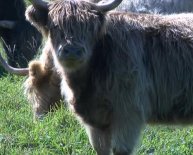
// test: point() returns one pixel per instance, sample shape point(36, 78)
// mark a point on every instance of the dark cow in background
point(19, 38)
point(119, 71)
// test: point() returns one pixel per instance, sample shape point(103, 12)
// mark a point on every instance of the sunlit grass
point(60, 133)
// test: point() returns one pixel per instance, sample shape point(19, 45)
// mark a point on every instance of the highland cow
point(42, 86)
point(19, 38)
point(119, 71)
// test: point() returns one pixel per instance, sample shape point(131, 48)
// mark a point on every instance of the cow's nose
point(70, 52)
point(73, 52)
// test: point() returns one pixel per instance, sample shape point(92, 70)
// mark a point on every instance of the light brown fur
point(43, 85)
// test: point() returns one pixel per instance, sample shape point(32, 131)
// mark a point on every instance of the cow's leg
point(125, 133)
point(100, 140)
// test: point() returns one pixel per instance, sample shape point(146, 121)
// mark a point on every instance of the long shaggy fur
point(137, 69)
point(42, 87)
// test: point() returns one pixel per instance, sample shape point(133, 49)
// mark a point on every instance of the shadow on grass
point(2, 71)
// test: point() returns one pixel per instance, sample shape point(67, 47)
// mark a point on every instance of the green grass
point(59, 132)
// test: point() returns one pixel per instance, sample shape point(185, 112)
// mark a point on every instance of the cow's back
point(158, 52)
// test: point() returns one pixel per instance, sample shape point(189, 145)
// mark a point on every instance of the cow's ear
point(38, 17)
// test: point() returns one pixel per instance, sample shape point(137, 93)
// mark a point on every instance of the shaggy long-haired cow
point(118, 71)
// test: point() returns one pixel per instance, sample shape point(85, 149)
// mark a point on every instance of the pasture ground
point(60, 134)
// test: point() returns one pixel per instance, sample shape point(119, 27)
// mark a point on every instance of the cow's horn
point(17, 71)
point(105, 6)
point(7, 24)
point(40, 4)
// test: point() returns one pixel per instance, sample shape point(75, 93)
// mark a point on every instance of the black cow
point(19, 38)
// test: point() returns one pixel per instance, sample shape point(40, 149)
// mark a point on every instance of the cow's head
point(72, 27)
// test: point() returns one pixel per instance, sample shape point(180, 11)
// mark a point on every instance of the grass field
point(59, 133)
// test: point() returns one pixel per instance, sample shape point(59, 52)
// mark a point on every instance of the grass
point(59, 132)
